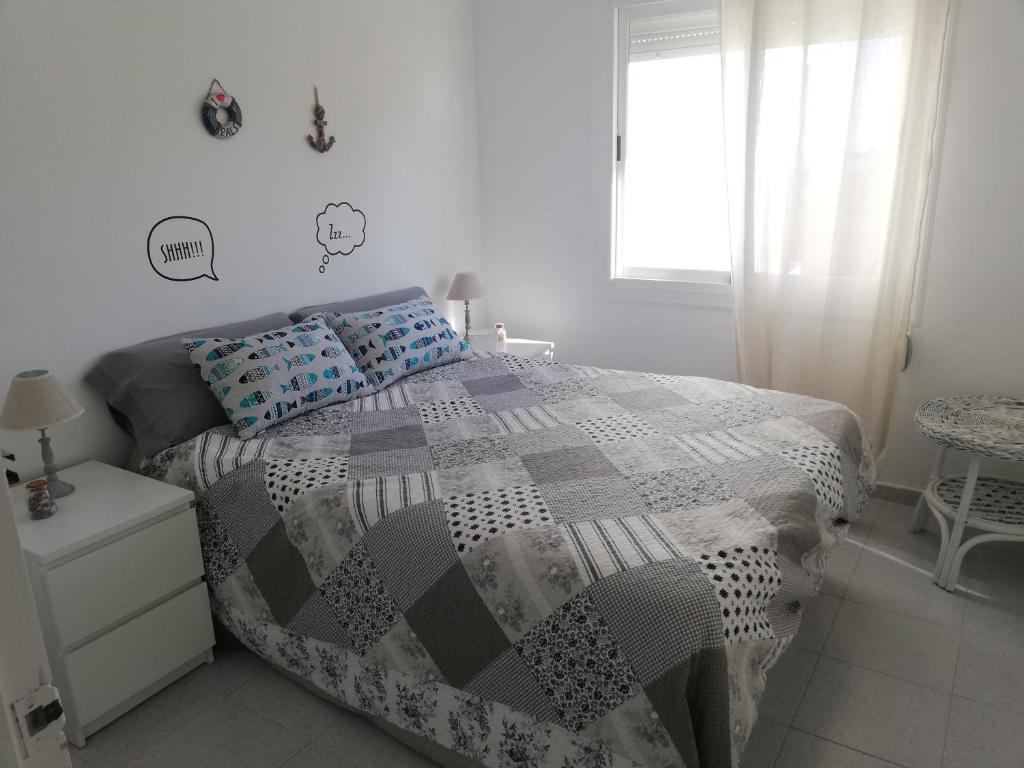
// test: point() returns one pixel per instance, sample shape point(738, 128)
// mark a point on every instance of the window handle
point(618, 147)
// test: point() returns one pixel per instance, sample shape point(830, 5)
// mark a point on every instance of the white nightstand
point(117, 576)
point(486, 341)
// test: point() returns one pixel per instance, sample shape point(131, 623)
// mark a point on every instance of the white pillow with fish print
point(265, 379)
point(390, 343)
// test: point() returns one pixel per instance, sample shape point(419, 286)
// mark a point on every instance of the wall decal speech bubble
point(180, 248)
point(340, 229)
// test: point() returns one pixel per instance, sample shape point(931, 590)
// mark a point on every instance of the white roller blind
point(672, 35)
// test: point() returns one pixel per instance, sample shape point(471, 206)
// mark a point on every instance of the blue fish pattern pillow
point(392, 342)
point(263, 380)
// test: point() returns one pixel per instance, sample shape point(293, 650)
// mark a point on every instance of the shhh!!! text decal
point(180, 248)
point(179, 251)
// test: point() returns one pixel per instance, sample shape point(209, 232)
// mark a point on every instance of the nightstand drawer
point(96, 590)
point(122, 663)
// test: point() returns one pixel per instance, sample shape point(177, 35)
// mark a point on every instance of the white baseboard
point(898, 494)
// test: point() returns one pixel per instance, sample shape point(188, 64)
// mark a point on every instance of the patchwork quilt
point(530, 563)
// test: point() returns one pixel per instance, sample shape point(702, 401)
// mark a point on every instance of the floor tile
point(891, 535)
point(287, 703)
point(997, 560)
point(990, 669)
point(318, 757)
point(787, 681)
point(816, 622)
point(225, 736)
point(992, 585)
point(842, 561)
point(148, 724)
point(902, 646)
point(893, 719)
point(896, 585)
point(802, 750)
point(980, 735)
point(232, 668)
point(764, 744)
point(365, 745)
point(993, 618)
point(861, 529)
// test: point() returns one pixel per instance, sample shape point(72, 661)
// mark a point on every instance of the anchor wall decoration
point(320, 143)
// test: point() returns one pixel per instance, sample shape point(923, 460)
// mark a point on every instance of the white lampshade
point(36, 401)
point(465, 287)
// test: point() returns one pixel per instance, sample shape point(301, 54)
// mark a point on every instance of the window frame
point(604, 286)
point(688, 285)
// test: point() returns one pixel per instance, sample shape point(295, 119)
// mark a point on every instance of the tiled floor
point(240, 713)
point(888, 669)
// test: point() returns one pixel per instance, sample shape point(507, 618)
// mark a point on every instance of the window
point(670, 214)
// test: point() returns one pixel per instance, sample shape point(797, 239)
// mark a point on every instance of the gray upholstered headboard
point(360, 303)
point(153, 392)
point(155, 395)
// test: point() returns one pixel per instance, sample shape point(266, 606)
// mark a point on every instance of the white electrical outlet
point(40, 717)
point(7, 461)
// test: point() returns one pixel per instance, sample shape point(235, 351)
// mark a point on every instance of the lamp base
point(58, 488)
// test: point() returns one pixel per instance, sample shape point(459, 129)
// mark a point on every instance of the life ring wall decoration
point(216, 100)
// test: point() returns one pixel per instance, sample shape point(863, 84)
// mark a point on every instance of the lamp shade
point(465, 287)
point(36, 401)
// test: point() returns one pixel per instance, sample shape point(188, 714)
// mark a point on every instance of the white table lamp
point(36, 401)
point(465, 287)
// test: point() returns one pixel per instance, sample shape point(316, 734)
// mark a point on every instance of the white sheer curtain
point(830, 111)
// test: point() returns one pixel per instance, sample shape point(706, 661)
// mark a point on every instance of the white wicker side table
point(982, 426)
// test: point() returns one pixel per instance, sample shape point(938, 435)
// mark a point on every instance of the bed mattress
point(529, 563)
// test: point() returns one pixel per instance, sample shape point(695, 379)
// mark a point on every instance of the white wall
point(971, 337)
point(100, 138)
point(537, 84)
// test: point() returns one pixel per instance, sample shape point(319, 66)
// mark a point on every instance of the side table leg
point(921, 509)
point(940, 564)
point(961, 523)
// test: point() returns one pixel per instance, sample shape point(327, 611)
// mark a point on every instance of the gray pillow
point(157, 391)
point(359, 304)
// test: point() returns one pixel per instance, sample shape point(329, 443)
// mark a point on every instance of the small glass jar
point(41, 504)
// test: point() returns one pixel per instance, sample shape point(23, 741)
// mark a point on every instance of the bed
point(525, 563)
